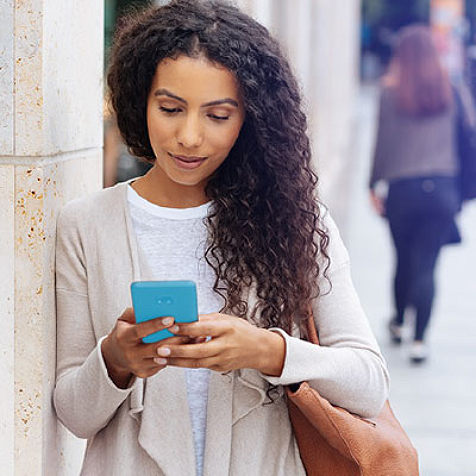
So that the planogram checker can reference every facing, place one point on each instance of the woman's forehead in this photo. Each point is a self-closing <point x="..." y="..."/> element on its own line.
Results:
<point x="195" y="78"/>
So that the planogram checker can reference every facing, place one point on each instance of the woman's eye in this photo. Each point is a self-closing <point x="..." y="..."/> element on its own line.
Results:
<point x="169" y="110"/>
<point x="175" y="110"/>
<point x="219" y="118"/>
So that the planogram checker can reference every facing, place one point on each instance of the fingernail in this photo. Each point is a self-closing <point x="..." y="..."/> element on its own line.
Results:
<point x="160" y="361"/>
<point x="163" y="351"/>
<point x="174" y="329"/>
<point x="167" y="321"/>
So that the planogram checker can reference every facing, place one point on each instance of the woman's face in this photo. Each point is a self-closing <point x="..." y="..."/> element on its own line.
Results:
<point x="194" y="116"/>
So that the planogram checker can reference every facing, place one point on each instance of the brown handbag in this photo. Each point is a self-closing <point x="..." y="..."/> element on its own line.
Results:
<point x="334" y="442"/>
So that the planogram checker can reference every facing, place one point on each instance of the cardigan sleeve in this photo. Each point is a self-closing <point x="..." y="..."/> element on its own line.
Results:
<point x="85" y="398"/>
<point x="347" y="367"/>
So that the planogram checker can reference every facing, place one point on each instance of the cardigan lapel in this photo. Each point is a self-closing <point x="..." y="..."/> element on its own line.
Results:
<point x="165" y="431"/>
<point x="231" y="396"/>
<point x="219" y="424"/>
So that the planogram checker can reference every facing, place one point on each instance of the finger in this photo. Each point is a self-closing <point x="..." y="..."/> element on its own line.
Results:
<point x="148" y="351"/>
<point x="128" y="316"/>
<point x="189" y="351"/>
<point x="176" y="340"/>
<point x="199" y="340"/>
<point x="149" y="370"/>
<point x="180" y="330"/>
<point x="143" y="329"/>
<point x="161" y="361"/>
<point x="208" y="363"/>
<point x="212" y="328"/>
<point x="209" y="317"/>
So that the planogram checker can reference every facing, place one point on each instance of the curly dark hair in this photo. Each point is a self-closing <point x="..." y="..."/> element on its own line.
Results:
<point x="264" y="226"/>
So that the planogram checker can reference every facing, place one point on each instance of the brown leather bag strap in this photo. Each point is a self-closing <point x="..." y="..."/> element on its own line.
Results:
<point x="311" y="328"/>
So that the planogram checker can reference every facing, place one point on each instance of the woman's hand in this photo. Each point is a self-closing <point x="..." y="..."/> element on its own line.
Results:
<point x="234" y="344"/>
<point x="126" y="355"/>
<point x="377" y="203"/>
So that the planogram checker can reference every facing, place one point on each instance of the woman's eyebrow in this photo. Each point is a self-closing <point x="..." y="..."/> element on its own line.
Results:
<point x="218" y="102"/>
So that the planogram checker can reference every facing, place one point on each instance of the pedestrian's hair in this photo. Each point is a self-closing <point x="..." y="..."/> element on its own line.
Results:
<point x="264" y="226"/>
<point x="421" y="83"/>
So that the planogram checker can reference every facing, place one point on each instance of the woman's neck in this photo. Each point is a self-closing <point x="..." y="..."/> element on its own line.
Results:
<point x="156" y="188"/>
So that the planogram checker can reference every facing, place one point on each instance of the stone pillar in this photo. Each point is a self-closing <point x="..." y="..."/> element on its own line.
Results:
<point x="51" y="57"/>
<point x="334" y="87"/>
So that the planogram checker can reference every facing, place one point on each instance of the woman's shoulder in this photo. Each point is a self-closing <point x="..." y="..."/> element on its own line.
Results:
<point x="101" y="206"/>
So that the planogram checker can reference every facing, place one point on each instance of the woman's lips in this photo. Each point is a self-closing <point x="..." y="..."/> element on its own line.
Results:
<point x="187" y="163"/>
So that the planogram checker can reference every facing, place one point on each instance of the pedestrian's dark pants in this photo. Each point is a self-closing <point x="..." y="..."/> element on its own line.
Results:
<point x="421" y="213"/>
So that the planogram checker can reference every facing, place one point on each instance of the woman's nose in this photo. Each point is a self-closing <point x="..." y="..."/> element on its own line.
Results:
<point x="190" y="134"/>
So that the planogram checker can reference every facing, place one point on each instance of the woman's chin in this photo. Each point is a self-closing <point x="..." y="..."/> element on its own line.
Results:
<point x="189" y="181"/>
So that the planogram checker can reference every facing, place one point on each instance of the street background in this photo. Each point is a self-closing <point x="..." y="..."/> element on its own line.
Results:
<point x="435" y="402"/>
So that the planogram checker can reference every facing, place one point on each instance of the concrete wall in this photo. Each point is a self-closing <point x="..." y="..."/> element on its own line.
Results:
<point x="50" y="152"/>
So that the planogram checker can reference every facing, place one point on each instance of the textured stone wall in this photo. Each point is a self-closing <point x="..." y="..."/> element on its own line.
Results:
<point x="50" y="152"/>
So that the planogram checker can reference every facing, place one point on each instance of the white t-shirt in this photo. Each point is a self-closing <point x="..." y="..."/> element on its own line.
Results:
<point x="173" y="241"/>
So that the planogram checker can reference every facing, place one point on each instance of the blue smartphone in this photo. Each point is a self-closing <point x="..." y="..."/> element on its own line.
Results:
<point x="152" y="299"/>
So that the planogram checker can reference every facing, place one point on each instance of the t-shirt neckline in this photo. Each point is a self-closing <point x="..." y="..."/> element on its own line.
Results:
<point x="165" y="212"/>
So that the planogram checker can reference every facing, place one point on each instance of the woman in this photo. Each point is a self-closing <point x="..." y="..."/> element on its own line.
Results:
<point x="416" y="156"/>
<point x="203" y="93"/>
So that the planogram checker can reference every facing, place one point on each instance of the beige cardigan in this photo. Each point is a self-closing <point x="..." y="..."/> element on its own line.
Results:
<point x="145" y="429"/>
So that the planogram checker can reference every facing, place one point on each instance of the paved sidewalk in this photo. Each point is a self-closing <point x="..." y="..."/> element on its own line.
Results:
<point x="436" y="403"/>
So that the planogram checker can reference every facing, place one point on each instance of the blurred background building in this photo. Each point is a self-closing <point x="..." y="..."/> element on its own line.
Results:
<point x="453" y="20"/>
<point x="51" y="137"/>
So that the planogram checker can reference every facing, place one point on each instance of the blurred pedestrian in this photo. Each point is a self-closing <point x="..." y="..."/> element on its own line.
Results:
<point x="416" y="156"/>
<point x="203" y="93"/>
